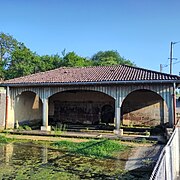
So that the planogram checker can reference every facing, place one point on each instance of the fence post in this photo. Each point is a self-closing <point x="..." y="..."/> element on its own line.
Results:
<point x="177" y="151"/>
<point x="168" y="163"/>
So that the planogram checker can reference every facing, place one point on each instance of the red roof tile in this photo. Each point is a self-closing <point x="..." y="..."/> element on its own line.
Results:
<point x="93" y="74"/>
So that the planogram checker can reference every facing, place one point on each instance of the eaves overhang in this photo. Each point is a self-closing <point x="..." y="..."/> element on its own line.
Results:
<point x="89" y="83"/>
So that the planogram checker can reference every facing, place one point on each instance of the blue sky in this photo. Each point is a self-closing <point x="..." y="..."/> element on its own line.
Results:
<point x="140" y="30"/>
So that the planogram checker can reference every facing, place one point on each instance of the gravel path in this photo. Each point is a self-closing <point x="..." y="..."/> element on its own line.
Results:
<point x="143" y="155"/>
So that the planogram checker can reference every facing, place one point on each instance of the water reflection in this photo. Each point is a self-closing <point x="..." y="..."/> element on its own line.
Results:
<point x="44" y="154"/>
<point x="31" y="161"/>
<point x="6" y="153"/>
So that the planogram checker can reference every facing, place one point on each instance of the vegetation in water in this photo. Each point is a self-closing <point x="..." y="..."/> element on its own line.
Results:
<point x="27" y="160"/>
<point x="96" y="148"/>
<point x="4" y="139"/>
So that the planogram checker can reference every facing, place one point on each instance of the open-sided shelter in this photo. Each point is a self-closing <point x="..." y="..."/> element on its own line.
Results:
<point x="90" y="95"/>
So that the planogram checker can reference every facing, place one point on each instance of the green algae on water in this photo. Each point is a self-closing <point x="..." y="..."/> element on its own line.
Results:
<point x="96" y="148"/>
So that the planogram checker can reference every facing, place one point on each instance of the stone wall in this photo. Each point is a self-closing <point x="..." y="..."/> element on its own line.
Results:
<point x="78" y="107"/>
<point x="28" y="108"/>
<point x="144" y="108"/>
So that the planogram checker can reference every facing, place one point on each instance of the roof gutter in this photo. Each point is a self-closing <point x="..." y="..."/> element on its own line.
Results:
<point x="89" y="83"/>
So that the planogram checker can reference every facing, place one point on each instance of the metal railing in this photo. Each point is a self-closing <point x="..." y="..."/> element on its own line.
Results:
<point x="167" y="166"/>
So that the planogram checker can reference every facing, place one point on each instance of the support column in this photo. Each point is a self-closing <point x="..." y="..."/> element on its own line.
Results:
<point x="118" y="119"/>
<point x="7" y="107"/>
<point x="45" y="126"/>
<point x="2" y="107"/>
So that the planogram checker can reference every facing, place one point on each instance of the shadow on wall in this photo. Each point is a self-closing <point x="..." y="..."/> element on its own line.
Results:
<point x="144" y="108"/>
<point x="28" y="109"/>
<point x="107" y="114"/>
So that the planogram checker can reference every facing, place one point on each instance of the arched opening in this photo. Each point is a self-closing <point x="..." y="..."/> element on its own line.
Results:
<point x="144" y="108"/>
<point x="81" y="107"/>
<point x="28" y="109"/>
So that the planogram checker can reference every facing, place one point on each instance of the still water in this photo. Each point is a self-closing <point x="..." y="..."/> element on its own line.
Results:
<point x="31" y="161"/>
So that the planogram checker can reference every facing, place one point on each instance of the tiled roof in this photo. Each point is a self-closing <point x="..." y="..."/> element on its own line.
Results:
<point x="93" y="74"/>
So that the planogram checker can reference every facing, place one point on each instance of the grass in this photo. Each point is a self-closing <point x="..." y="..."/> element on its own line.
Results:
<point x="59" y="129"/>
<point x="4" y="139"/>
<point x="24" y="128"/>
<point x="95" y="148"/>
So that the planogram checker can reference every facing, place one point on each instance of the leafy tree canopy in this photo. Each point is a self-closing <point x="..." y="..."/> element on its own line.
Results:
<point x="17" y="60"/>
<point x="105" y="58"/>
<point x="23" y="62"/>
<point x="71" y="59"/>
<point x="7" y="46"/>
<point x="49" y="62"/>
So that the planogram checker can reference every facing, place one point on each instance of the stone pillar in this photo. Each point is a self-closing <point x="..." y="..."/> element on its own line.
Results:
<point x="2" y="107"/>
<point x="7" y="107"/>
<point x="45" y="126"/>
<point x="117" y="119"/>
<point x="9" y="115"/>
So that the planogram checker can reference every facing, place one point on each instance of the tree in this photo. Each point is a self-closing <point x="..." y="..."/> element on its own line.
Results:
<point x="23" y="62"/>
<point x="106" y="58"/>
<point x="7" y="46"/>
<point x="49" y="62"/>
<point x="17" y="60"/>
<point x="71" y="59"/>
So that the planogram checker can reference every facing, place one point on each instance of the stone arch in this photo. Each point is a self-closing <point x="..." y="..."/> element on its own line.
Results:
<point x="102" y="89"/>
<point x="78" y="106"/>
<point x="19" y="91"/>
<point x="145" y="108"/>
<point x="154" y="89"/>
<point x="28" y="109"/>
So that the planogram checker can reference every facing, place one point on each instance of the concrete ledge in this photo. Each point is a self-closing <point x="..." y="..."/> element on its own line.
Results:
<point x="45" y="128"/>
<point x="89" y="135"/>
